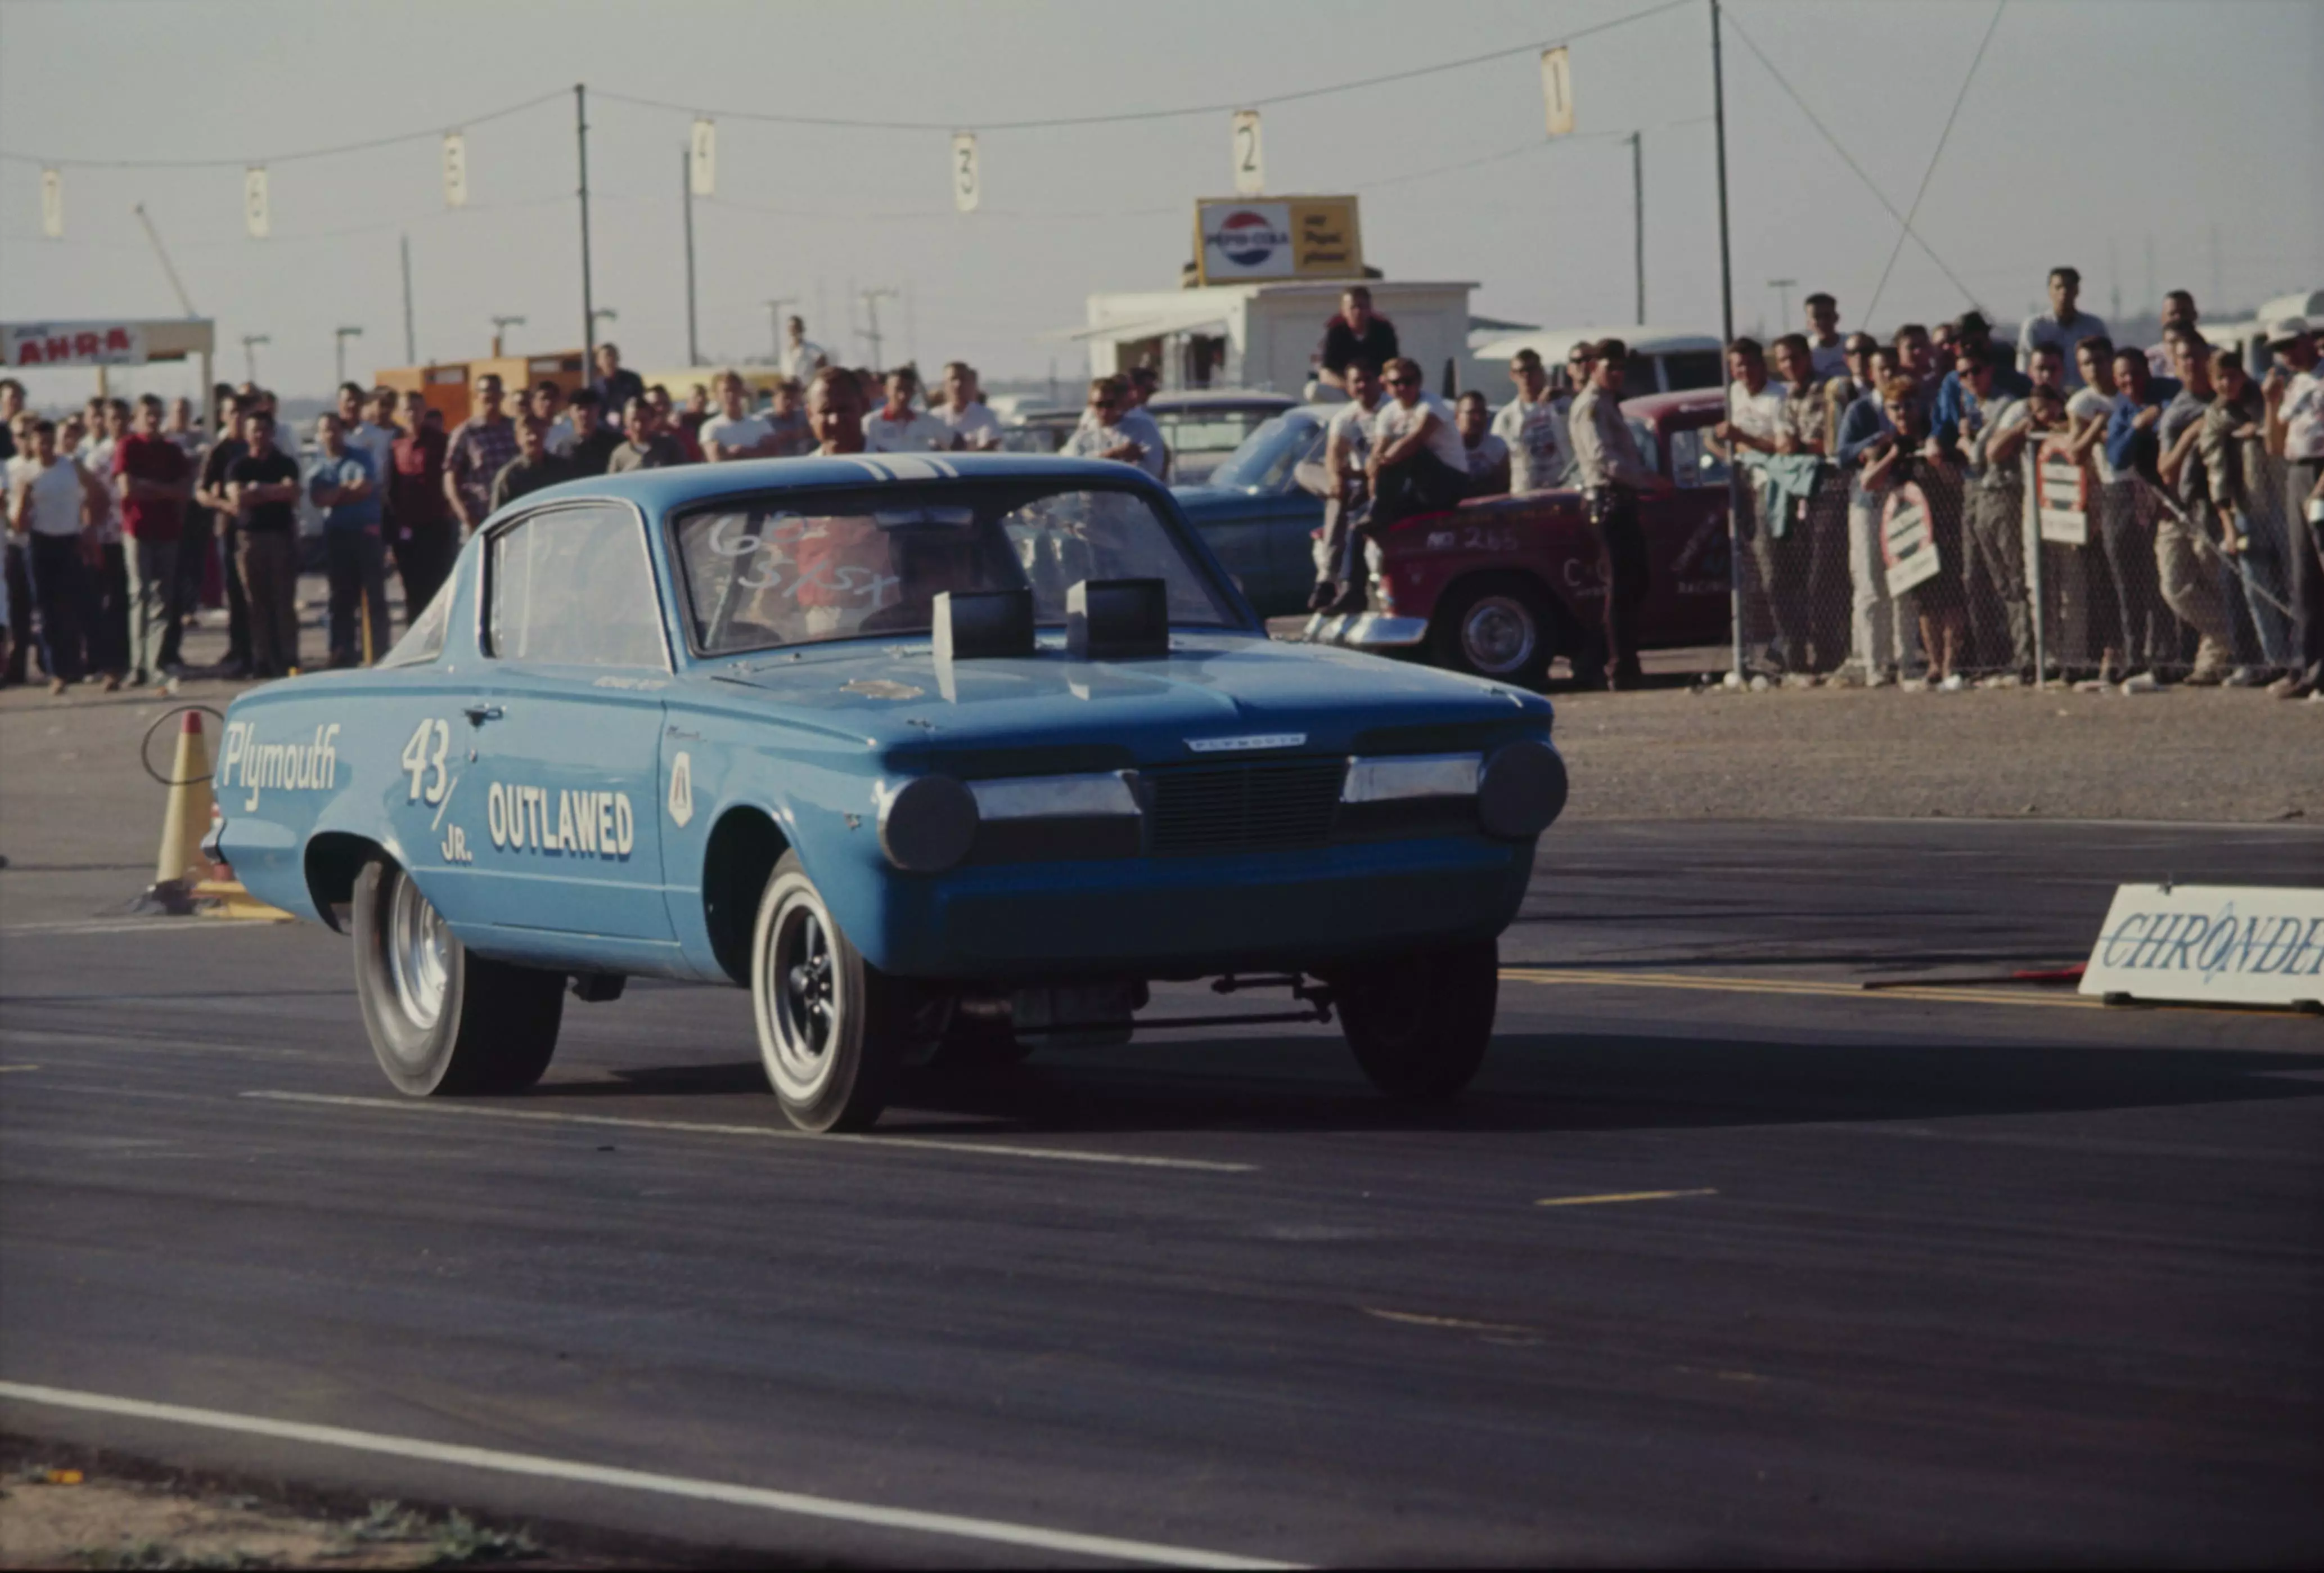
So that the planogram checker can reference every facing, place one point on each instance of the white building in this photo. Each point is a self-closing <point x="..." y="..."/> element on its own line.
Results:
<point x="1268" y="335"/>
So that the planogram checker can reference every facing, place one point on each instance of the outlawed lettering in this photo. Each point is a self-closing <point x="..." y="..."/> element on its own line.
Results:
<point x="255" y="766"/>
<point x="2248" y="945"/>
<point x="530" y="819"/>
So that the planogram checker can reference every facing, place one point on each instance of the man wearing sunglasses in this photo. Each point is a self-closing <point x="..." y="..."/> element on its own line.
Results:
<point x="1418" y="464"/>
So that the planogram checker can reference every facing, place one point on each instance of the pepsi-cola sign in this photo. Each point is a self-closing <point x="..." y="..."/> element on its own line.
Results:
<point x="1251" y="241"/>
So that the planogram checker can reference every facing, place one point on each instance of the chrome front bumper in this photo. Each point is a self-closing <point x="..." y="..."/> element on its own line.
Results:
<point x="1365" y="631"/>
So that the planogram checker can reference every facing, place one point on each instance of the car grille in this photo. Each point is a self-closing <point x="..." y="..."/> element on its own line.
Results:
<point x="1196" y="809"/>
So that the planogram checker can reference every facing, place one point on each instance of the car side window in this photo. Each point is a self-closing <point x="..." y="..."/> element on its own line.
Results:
<point x="423" y="641"/>
<point x="574" y="587"/>
<point x="1691" y="462"/>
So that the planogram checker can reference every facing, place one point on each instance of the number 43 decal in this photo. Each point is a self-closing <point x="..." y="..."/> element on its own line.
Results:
<point x="424" y="757"/>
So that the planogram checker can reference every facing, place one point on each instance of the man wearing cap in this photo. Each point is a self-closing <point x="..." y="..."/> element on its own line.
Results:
<point x="2294" y="395"/>
<point x="2064" y="326"/>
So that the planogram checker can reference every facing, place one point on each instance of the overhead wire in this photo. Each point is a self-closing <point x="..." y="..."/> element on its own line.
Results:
<point x="1846" y="157"/>
<point x="283" y="158"/>
<point x="1942" y="137"/>
<point x="1126" y="116"/>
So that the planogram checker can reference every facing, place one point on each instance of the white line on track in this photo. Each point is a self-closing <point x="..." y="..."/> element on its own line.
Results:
<point x="994" y="1531"/>
<point x="132" y="926"/>
<point x="697" y="1127"/>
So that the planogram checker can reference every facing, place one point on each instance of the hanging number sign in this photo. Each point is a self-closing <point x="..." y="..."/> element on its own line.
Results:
<point x="456" y="170"/>
<point x="254" y="215"/>
<point x="967" y="185"/>
<point x="1557" y="89"/>
<point x="702" y="159"/>
<point x="1250" y="177"/>
<point x="52" y="203"/>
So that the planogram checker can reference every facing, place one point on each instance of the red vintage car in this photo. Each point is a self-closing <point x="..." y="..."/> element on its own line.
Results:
<point x="1500" y="586"/>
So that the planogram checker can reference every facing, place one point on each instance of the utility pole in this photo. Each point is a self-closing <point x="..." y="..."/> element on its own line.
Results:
<point x="339" y="337"/>
<point x="1783" y="288"/>
<point x="1735" y="497"/>
<point x="871" y="299"/>
<point x="588" y="300"/>
<point x="501" y="325"/>
<point x="250" y="343"/>
<point x="2153" y="299"/>
<point x="775" y="321"/>
<point x="410" y="341"/>
<point x="178" y="287"/>
<point x="2218" y="280"/>
<point x="686" y="195"/>
<point x="1638" y="217"/>
<point x="2114" y="282"/>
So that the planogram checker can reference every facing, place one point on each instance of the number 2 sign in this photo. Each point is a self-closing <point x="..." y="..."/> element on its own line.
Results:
<point x="966" y="184"/>
<point x="1249" y="177"/>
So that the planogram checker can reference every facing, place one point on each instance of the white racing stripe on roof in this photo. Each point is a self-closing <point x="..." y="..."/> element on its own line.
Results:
<point x="872" y="467"/>
<point x="913" y="1520"/>
<point x="912" y="467"/>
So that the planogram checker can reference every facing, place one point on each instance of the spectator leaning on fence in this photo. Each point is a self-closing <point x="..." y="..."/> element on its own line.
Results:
<point x="1995" y="431"/>
<point x="1489" y="456"/>
<point x="2294" y="395"/>
<point x="2232" y="443"/>
<point x="1606" y="458"/>
<point x="2062" y="327"/>
<point x="1908" y="456"/>
<point x="1747" y="438"/>
<point x="1972" y="335"/>
<point x="2119" y="631"/>
<point x="1825" y="345"/>
<point x="1877" y="629"/>
<point x="1536" y="423"/>
<point x="2179" y="311"/>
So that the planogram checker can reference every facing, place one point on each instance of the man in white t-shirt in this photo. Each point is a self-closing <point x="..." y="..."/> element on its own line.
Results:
<point x="734" y="433"/>
<point x="1347" y="495"/>
<point x="2062" y="327"/>
<point x="1536" y="426"/>
<point x="2116" y="624"/>
<point x="108" y="629"/>
<point x="1105" y="433"/>
<point x="49" y="497"/>
<point x="2294" y="398"/>
<point x="802" y="357"/>
<point x="897" y="428"/>
<point x="1418" y="463"/>
<point x="1488" y="455"/>
<point x="974" y="428"/>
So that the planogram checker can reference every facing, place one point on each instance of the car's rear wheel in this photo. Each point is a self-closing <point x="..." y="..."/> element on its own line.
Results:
<point x="832" y="1028"/>
<point x="1420" y="1024"/>
<point x="440" y="1019"/>
<point x="1501" y="628"/>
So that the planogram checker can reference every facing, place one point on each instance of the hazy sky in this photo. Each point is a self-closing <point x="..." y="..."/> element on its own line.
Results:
<point x="2091" y="132"/>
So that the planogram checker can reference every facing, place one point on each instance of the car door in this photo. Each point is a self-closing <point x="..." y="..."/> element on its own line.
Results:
<point x="566" y="726"/>
<point x="1688" y="597"/>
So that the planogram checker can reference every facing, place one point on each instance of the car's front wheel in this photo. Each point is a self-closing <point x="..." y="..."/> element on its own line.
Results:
<point x="440" y="1019"/>
<point x="832" y="1028"/>
<point x="1420" y="1024"/>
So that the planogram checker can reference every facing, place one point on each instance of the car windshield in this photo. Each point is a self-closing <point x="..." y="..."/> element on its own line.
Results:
<point x="800" y="568"/>
<point x="1266" y="458"/>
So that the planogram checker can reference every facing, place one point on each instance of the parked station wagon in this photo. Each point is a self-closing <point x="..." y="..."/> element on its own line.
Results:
<point x="955" y="753"/>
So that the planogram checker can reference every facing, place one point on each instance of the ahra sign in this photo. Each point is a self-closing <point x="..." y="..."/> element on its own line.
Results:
<point x="48" y="344"/>
<point x="2248" y="945"/>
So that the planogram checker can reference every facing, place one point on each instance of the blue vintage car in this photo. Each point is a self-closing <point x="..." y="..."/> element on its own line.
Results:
<point x="952" y="753"/>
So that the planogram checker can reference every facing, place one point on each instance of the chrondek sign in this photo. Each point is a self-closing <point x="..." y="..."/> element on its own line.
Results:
<point x="2241" y="945"/>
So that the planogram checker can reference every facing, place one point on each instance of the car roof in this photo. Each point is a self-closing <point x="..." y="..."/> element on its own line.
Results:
<point x="1221" y="399"/>
<point x="682" y="486"/>
<point x="1685" y="401"/>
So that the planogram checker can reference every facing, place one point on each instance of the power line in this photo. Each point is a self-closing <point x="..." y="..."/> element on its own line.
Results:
<point x="282" y="158"/>
<point x="1126" y="116"/>
<point x="1846" y="157"/>
<point x="1942" y="137"/>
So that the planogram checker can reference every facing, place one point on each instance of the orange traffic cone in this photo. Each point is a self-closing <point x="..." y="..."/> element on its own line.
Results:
<point x="180" y="866"/>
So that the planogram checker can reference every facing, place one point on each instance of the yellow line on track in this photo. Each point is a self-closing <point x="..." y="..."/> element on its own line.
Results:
<point x="1805" y="987"/>
<point x="1583" y="1201"/>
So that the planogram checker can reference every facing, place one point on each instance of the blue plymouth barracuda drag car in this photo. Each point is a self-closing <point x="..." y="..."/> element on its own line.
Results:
<point x="941" y="752"/>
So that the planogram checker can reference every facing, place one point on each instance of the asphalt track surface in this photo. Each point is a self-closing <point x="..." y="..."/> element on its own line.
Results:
<point x="1722" y="1259"/>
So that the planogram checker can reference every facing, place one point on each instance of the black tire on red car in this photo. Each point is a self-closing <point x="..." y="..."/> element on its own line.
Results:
<point x="440" y="1019"/>
<point x="1500" y="627"/>
<point x="1420" y="1024"/>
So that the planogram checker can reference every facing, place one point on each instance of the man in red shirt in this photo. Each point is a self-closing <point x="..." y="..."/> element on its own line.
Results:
<point x="156" y="480"/>
<point x="422" y="538"/>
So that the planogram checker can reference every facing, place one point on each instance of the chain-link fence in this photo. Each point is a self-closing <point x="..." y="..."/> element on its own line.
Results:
<point x="2047" y="572"/>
